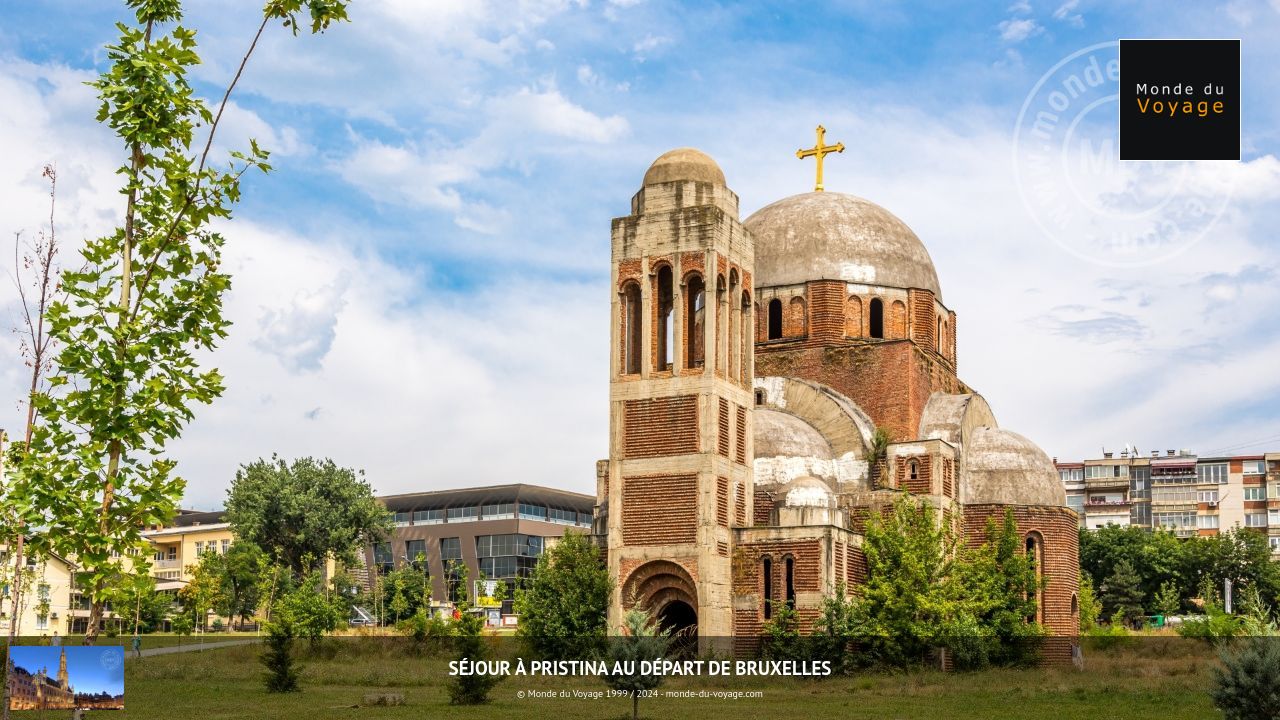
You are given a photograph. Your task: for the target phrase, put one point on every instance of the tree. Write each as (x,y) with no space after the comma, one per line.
(834,631)
(1122,593)
(640,641)
(310,611)
(145,303)
(302,512)
(35,276)
(240,581)
(782,639)
(1245,683)
(999,590)
(136,601)
(563,606)
(282,670)
(1167,600)
(1088,603)
(203,592)
(469,644)
(911,592)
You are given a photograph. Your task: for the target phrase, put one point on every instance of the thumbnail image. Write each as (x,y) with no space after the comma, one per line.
(90,678)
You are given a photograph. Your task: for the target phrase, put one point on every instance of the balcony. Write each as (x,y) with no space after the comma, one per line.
(167,564)
(1107,482)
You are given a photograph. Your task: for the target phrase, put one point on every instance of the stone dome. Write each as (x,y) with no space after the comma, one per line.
(684,164)
(781,434)
(807,491)
(1005,468)
(833,236)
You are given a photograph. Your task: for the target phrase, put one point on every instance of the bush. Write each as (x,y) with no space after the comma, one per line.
(1247,685)
(1215,624)
(471,689)
(430,632)
(282,671)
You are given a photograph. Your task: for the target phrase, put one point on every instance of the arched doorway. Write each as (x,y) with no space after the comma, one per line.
(666,591)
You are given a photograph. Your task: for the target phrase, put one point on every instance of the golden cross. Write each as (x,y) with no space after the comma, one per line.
(819,150)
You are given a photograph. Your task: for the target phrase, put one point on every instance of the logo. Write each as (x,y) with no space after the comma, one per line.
(1066,158)
(1179,99)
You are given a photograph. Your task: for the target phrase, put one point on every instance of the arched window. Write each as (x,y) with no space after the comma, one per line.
(1035,555)
(775,319)
(696,321)
(877,318)
(913,468)
(938,338)
(766,572)
(797,317)
(791,582)
(729,319)
(666,330)
(631,324)
(747,322)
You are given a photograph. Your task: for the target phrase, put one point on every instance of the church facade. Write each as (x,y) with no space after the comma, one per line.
(754,367)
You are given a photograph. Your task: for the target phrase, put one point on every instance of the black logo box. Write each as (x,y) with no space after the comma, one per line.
(1157,80)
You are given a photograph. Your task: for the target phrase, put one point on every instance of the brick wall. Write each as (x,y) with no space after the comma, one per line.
(826,309)
(660,426)
(891,381)
(1059,529)
(748,579)
(651,517)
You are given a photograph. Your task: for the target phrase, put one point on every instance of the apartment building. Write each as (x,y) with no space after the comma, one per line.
(1176,490)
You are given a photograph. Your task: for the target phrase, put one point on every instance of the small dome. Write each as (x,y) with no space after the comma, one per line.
(807,491)
(781,434)
(1005,468)
(684,164)
(833,236)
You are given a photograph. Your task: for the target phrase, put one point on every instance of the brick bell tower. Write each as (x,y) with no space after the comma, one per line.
(681,360)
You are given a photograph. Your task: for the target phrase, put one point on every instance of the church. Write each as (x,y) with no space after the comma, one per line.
(776,380)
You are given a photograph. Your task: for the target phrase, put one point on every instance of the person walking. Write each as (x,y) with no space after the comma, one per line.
(137,645)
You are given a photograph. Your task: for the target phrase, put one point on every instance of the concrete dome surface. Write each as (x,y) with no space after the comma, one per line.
(834,236)
(806,491)
(1006,468)
(684,165)
(781,434)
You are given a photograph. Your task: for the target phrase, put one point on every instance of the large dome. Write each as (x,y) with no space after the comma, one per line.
(781,434)
(1005,468)
(833,236)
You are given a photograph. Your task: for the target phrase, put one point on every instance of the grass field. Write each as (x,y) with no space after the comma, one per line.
(1143,679)
(148,641)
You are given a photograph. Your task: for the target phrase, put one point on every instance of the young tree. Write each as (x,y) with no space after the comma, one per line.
(1246,681)
(999,587)
(282,670)
(563,606)
(1122,592)
(1167,600)
(310,611)
(302,512)
(35,276)
(641,640)
(911,593)
(834,631)
(240,580)
(470,645)
(1088,603)
(146,302)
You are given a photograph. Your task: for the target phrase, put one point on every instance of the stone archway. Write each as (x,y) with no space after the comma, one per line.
(665,590)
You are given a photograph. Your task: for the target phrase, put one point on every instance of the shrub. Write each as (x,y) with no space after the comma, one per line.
(471,689)
(282,671)
(1247,685)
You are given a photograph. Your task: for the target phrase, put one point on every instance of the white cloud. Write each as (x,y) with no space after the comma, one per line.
(1019,29)
(646,46)
(300,334)
(1066,13)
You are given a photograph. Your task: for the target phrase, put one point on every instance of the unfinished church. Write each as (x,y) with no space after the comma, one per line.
(751,364)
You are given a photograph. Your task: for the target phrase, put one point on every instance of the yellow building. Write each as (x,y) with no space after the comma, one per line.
(47,594)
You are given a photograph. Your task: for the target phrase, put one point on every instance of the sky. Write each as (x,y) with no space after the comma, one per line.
(420,288)
(90,670)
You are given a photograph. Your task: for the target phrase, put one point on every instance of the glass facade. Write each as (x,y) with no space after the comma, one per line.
(413,549)
(382,558)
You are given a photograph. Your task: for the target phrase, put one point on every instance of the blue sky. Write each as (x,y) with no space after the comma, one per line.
(420,287)
(89,669)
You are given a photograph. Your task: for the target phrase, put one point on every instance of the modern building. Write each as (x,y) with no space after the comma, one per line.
(497,531)
(1177,490)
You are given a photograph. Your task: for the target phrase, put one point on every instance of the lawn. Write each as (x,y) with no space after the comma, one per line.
(1141,680)
(148,641)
